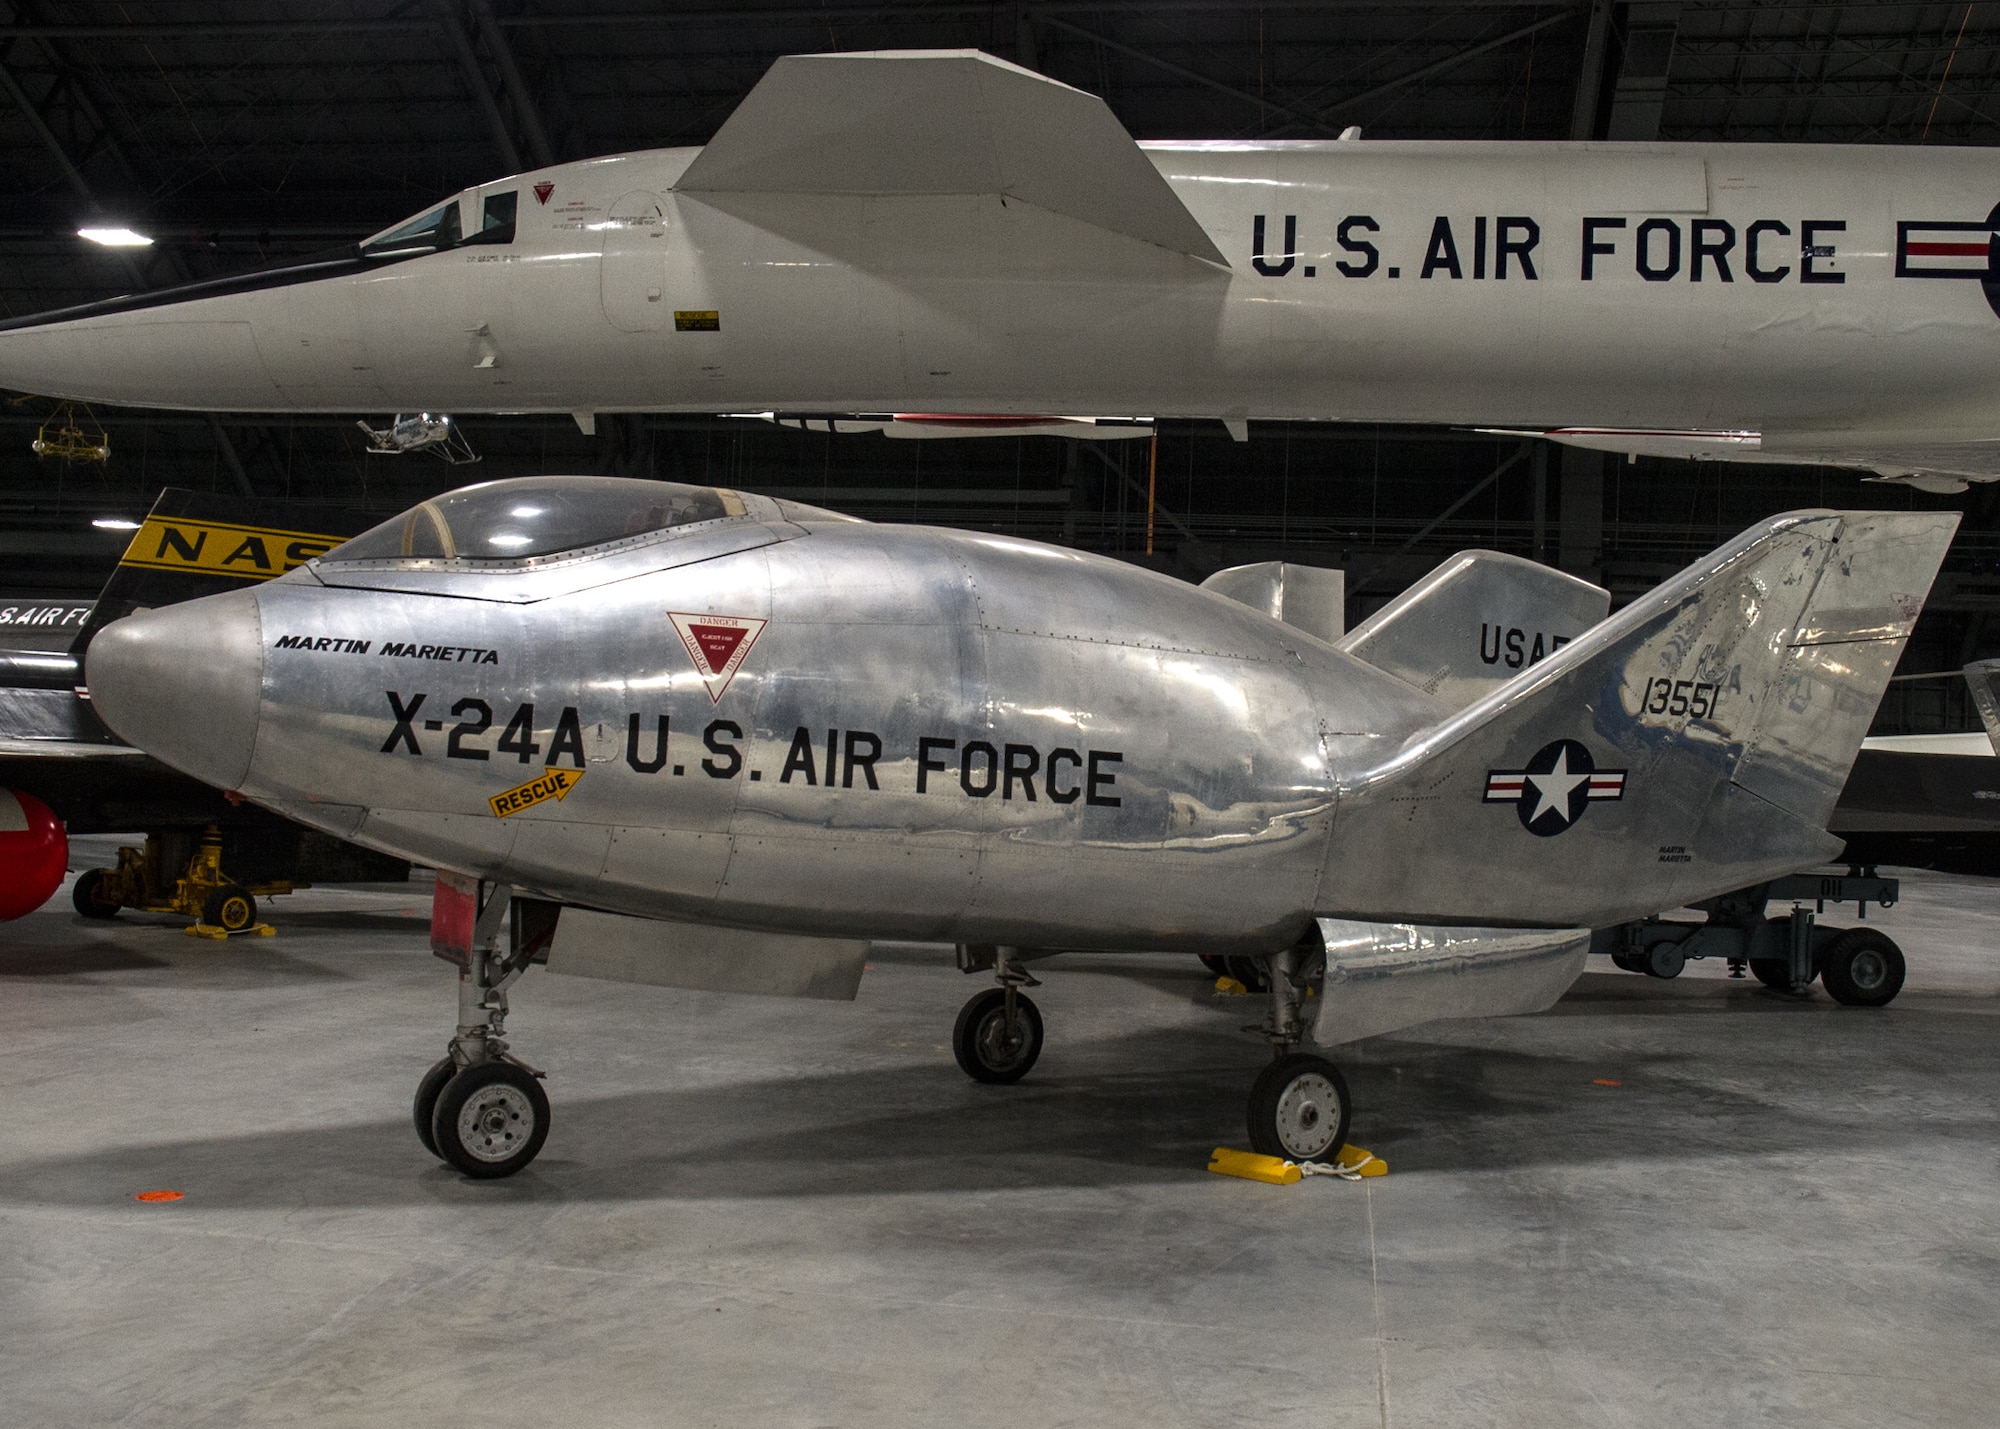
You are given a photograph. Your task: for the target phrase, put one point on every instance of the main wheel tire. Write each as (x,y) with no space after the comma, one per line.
(88,895)
(1629,962)
(1299,1109)
(424,1109)
(1862,968)
(1775,973)
(1219,966)
(231,909)
(491,1120)
(987,1047)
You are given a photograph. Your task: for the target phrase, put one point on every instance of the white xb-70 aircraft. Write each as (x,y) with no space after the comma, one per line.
(946,233)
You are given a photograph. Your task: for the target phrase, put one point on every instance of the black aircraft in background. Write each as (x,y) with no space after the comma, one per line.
(1929,800)
(205,854)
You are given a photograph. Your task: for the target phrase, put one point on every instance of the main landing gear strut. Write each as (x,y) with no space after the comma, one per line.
(482,1108)
(1299,1105)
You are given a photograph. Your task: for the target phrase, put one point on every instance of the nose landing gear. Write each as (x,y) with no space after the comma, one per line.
(482,1108)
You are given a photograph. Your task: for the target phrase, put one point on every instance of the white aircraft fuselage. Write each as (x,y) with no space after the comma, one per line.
(1819,297)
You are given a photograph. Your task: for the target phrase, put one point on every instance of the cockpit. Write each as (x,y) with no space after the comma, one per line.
(533,516)
(532,537)
(446,226)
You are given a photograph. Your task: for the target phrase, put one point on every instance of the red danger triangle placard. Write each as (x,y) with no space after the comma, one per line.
(717,644)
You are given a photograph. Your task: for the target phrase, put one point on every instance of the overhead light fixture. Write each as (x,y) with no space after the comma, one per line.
(115,237)
(115,523)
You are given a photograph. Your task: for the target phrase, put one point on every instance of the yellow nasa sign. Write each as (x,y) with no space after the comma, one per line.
(220,548)
(555,784)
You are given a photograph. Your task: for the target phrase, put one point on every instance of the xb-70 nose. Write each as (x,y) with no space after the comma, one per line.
(184,683)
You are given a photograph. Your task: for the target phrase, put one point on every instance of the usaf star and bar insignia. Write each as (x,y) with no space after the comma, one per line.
(1559,783)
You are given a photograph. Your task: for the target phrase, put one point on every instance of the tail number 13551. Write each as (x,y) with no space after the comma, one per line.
(1696,699)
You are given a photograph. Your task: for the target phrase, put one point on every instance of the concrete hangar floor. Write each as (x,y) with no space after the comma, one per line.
(1689,1202)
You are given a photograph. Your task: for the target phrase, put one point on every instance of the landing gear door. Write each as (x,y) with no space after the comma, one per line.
(633,276)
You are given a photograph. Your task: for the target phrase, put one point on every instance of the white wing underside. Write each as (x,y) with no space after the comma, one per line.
(1941,467)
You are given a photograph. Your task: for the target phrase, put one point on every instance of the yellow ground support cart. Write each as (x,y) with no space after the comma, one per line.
(145,880)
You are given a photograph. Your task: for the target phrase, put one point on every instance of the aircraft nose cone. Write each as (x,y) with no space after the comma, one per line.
(183,683)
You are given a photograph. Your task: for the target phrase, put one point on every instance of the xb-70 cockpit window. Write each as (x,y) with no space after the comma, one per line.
(537,516)
(427,233)
(496,222)
(439,229)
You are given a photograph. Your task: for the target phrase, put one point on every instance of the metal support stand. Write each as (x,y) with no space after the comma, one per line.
(1786,948)
(1800,948)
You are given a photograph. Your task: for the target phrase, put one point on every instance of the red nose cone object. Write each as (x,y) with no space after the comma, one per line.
(34,852)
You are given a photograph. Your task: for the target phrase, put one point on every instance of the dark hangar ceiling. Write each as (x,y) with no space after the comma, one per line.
(253,132)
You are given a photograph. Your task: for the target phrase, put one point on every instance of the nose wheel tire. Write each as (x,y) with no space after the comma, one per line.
(424,1109)
(1299,1109)
(1862,968)
(989,1046)
(490,1120)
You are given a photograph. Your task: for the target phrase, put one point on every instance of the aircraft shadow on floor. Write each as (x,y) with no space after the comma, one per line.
(76,959)
(921,1129)
(204,963)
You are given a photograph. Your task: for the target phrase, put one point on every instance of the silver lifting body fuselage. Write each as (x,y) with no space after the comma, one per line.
(932,735)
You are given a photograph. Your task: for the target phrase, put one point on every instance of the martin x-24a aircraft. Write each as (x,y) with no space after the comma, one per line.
(707,738)
(942,232)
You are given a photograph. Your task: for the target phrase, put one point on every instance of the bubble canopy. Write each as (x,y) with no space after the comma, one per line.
(537,516)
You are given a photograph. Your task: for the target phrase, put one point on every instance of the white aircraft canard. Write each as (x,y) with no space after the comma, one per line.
(941,232)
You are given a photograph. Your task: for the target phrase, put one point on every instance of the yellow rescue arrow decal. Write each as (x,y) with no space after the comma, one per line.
(555,784)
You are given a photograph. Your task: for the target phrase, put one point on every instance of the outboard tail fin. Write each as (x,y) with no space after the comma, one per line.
(1692,744)
(1308,598)
(1982,677)
(1523,612)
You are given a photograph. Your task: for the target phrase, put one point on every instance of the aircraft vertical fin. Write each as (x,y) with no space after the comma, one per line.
(1475,623)
(1308,598)
(1693,744)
